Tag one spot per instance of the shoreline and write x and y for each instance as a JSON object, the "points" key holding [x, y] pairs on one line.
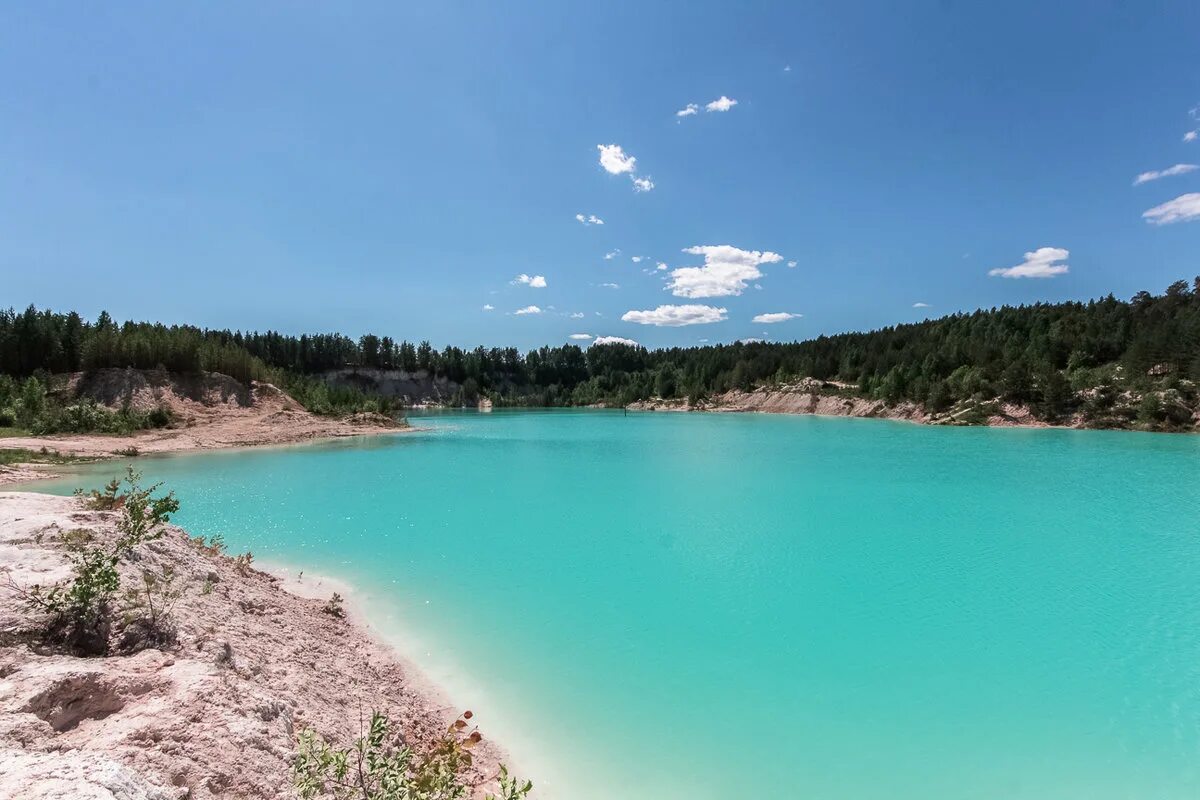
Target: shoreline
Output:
{"points": [[84, 449], [395, 638], [435, 684], [805, 399], [186, 717]]}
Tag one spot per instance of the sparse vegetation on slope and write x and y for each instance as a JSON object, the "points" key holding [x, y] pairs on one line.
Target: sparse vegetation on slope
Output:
{"points": [[79, 611], [380, 765]]}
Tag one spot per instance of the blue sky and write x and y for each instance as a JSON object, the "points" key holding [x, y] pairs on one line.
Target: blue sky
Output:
{"points": [[395, 167]]}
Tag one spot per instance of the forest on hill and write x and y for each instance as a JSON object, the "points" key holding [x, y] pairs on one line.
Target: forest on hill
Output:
{"points": [[1114, 362]]}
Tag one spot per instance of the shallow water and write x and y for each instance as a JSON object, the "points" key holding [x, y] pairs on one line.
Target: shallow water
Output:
{"points": [[662, 606]]}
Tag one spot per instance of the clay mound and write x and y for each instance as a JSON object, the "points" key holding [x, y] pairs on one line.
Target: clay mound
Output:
{"points": [[185, 395], [144, 390]]}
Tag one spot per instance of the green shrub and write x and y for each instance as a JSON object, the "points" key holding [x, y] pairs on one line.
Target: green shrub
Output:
{"points": [[334, 607], [148, 607], [80, 608], [380, 766]]}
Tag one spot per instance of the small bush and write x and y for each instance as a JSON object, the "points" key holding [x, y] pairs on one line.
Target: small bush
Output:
{"points": [[242, 562], [76, 538], [80, 608], [380, 766], [334, 607], [148, 607], [107, 500]]}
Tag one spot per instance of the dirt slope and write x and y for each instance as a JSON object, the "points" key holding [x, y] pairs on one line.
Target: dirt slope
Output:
{"points": [[216, 715]]}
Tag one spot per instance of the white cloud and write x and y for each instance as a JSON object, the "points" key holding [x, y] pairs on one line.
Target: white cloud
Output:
{"points": [[636, 259], [750, 340], [1191, 136], [722, 103], [612, 255], [772, 318], [688, 110], [614, 159], [577, 315], [726, 271], [617, 162], [488, 307], [920, 305], [1041, 263], [527, 310], [590, 219], [661, 266], [581, 336], [792, 264], [615, 340], [787, 68], [610, 285], [676, 316], [533, 281], [1184, 208], [1153, 175]]}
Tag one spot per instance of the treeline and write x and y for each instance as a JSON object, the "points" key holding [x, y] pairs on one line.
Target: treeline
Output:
{"points": [[1053, 357]]}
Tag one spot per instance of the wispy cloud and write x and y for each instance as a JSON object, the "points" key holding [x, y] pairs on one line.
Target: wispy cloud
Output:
{"points": [[614, 159], [581, 336], [611, 255], [636, 259], [642, 184], [920, 305], [1041, 263], [676, 316], [722, 103], [577, 315], [727, 271], [1184, 208], [488, 307], [792, 264], [615, 340], [662, 267], [533, 281], [688, 110], [520, 312], [589, 219], [1191, 136], [610, 285], [774, 317], [1153, 175]]}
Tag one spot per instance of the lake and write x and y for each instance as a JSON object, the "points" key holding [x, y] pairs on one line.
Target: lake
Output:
{"points": [[660, 606]]}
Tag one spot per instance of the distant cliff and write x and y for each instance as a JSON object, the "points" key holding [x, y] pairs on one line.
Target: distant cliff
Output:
{"points": [[831, 398], [417, 388]]}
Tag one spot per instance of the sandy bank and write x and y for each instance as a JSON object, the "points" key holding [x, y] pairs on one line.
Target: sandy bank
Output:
{"points": [[831, 399], [216, 714], [209, 411]]}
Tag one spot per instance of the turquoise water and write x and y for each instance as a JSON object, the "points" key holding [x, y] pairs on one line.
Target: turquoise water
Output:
{"points": [[719, 606]]}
